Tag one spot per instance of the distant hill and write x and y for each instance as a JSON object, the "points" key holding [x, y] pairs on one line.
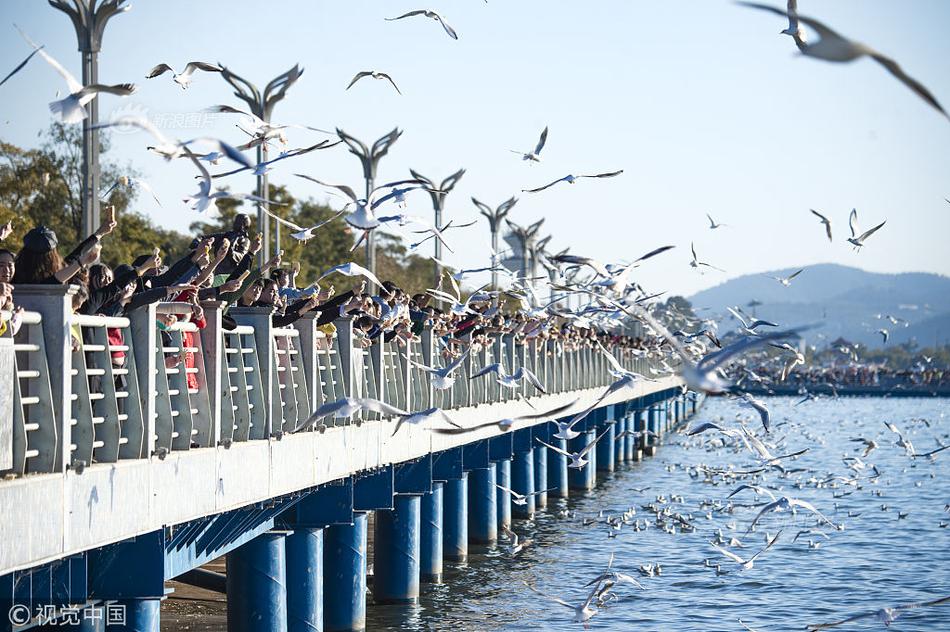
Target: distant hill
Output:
{"points": [[846, 300]]}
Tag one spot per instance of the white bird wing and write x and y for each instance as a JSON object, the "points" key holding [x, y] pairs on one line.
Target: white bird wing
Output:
{"points": [[732, 556], [457, 362], [445, 25], [491, 368], [376, 406], [543, 139], [71, 81], [347, 191], [590, 446], [352, 269], [546, 186], [158, 70], [556, 449], [20, 65], [870, 232], [853, 222]]}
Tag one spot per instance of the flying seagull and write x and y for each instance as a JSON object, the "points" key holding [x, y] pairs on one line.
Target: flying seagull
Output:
{"points": [[442, 378], [695, 263], [513, 380], [746, 564], [571, 179], [578, 459], [375, 74], [72, 108], [824, 220], [885, 615], [836, 48], [713, 225], [346, 408], [20, 65], [534, 156], [352, 269], [507, 424], [858, 240], [786, 281], [884, 334], [429, 414], [429, 14], [784, 504], [184, 77], [794, 29]]}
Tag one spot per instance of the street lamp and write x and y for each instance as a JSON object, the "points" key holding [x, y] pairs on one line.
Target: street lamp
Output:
{"points": [[89, 18], [525, 238], [494, 221], [438, 203], [262, 105], [369, 159]]}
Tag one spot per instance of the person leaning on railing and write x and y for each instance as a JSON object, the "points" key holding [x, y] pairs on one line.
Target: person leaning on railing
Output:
{"points": [[39, 262]]}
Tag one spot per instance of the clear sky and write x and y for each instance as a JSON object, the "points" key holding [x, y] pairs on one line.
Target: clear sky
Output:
{"points": [[702, 103]]}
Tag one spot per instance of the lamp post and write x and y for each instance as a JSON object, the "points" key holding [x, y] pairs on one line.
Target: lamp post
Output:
{"points": [[369, 159], [438, 204], [262, 105], [89, 18], [494, 221], [525, 237]]}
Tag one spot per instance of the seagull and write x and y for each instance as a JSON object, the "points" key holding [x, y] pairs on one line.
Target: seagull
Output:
{"points": [[902, 441], [759, 407], [786, 281], [824, 220], [72, 108], [522, 499], [534, 156], [513, 380], [858, 240], [20, 65], [306, 234], [346, 408], [695, 263], [784, 504], [695, 430], [836, 48], [884, 615], [429, 14], [260, 130], [352, 269], [205, 199], [749, 563], [429, 414], [761, 491], [507, 424], [184, 77], [794, 29], [869, 445], [578, 459], [443, 378], [884, 334], [515, 544], [264, 167], [571, 179], [131, 182], [749, 326], [375, 74], [712, 223]]}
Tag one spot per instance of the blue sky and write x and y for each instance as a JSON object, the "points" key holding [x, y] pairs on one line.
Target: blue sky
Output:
{"points": [[702, 103]]}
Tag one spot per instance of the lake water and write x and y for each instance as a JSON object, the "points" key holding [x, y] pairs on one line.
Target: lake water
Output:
{"points": [[879, 559]]}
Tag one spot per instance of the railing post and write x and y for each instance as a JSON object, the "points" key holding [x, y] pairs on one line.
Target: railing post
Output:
{"points": [[212, 348], [344, 334], [54, 303], [260, 319], [308, 339], [144, 343], [426, 359]]}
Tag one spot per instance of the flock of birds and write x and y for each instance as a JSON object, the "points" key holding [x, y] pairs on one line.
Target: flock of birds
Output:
{"points": [[608, 298]]}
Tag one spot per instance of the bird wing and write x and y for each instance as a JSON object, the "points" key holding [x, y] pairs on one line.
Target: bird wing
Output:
{"points": [[711, 222], [738, 315], [853, 222], [323, 411], [824, 626], [160, 69], [390, 79], [192, 66], [71, 81], [445, 25], [407, 15], [553, 413], [457, 362], [219, 145], [21, 65], [357, 77], [145, 185], [533, 379], [695, 430], [590, 446], [868, 233], [491, 368], [558, 450], [767, 508], [810, 507], [541, 141], [376, 406], [552, 598], [347, 191], [692, 248], [546, 186], [119, 89], [795, 274], [732, 556], [653, 253], [609, 174]]}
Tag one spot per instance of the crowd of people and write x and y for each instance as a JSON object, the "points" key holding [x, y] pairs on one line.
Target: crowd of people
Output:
{"points": [[860, 376], [222, 267]]}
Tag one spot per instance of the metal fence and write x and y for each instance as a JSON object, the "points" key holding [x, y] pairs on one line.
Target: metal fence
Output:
{"points": [[92, 389]]}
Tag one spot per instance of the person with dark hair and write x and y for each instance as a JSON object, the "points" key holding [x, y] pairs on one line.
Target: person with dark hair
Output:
{"points": [[240, 243], [39, 262], [7, 265]]}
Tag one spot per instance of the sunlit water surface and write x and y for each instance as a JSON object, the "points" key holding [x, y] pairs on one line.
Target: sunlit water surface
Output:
{"points": [[878, 559]]}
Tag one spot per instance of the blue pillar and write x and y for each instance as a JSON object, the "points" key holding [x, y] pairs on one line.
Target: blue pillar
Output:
{"points": [[540, 476], [304, 550], [582, 478], [141, 615], [620, 440], [455, 519], [91, 624], [430, 539], [605, 447], [502, 497], [557, 470], [396, 551], [629, 443], [257, 585], [653, 424], [344, 573], [482, 514], [522, 481]]}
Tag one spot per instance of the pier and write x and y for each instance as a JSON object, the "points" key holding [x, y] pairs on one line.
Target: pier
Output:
{"points": [[117, 480]]}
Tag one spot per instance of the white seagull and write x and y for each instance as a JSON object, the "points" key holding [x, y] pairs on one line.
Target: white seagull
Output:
{"points": [[695, 263], [513, 380], [858, 240], [786, 281], [429, 14], [346, 408], [522, 499], [885, 615], [184, 77], [785, 504], [429, 414], [507, 424], [534, 156], [375, 74], [713, 225], [443, 378], [352, 269], [578, 459], [824, 220], [571, 179], [749, 563]]}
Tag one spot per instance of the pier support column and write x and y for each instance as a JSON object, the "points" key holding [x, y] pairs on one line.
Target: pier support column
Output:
{"points": [[257, 585], [653, 425], [455, 519], [620, 440], [502, 497], [606, 448], [430, 539], [557, 470], [583, 478], [541, 476], [396, 551], [522, 481], [344, 572], [304, 550], [482, 506], [141, 615], [639, 425]]}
